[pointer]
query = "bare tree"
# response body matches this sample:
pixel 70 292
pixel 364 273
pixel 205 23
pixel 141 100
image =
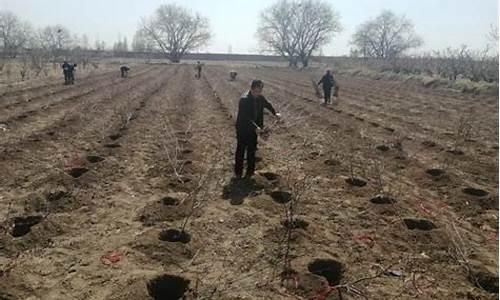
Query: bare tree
pixel 100 45
pixel 176 31
pixel 276 31
pixel 296 29
pixel 14 34
pixel 84 42
pixel 54 39
pixel 493 34
pixel 317 22
pixel 142 42
pixel 121 45
pixel 386 36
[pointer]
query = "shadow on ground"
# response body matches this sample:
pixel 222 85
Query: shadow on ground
pixel 238 189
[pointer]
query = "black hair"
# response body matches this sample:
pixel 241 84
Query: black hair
pixel 257 83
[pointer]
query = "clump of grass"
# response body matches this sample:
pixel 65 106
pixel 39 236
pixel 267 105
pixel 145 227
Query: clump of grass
pixel 469 86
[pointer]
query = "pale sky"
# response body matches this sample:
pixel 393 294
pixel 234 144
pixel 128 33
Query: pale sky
pixel 441 23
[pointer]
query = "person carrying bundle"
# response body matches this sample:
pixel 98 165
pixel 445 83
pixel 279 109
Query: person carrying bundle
pixel 328 82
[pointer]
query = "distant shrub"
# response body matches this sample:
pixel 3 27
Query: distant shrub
pixel 463 84
pixel 468 86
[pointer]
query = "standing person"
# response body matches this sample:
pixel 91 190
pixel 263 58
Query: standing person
pixel 124 69
pixel 328 82
pixel 71 71
pixel 198 68
pixel 249 121
pixel 66 71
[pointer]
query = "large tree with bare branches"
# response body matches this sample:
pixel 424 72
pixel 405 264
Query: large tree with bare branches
pixel 296 29
pixel 14 34
pixel 386 36
pixel 176 31
pixel 54 39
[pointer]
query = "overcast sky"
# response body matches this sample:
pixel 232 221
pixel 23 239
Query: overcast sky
pixel 441 23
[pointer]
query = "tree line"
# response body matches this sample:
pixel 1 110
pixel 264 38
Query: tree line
pixel 294 29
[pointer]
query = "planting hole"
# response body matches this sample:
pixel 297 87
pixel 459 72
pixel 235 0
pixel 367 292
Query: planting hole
pixel 22 225
pixel 174 235
pixel 3 295
pixel 434 172
pixel 314 154
pixel 420 224
pixel 382 200
pixel 183 133
pixel 355 181
pixel 270 176
pixel 485 281
pixel 429 144
pixel 112 145
pixel 331 269
pixel 474 192
pixel 77 171
pixel 169 201
pixel 382 148
pixel 167 287
pixel 455 151
pixel 94 158
pixel 281 196
pixel 295 224
pixel 115 136
pixel 332 162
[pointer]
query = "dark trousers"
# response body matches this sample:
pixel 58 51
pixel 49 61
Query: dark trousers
pixel 249 146
pixel 327 91
pixel 67 77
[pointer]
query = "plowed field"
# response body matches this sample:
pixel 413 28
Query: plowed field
pixel 393 190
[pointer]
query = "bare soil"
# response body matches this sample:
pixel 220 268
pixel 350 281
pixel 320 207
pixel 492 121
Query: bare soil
pixel 98 179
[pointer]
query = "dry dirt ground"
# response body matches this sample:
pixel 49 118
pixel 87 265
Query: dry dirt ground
pixel 389 193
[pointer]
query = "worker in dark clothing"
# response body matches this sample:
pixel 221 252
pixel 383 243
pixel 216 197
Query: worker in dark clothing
pixel 71 73
pixel 198 68
pixel 328 82
pixel 232 75
pixel 66 71
pixel 249 122
pixel 124 69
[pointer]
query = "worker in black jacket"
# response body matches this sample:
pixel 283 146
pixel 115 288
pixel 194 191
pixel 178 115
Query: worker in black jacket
pixel 124 69
pixel 249 122
pixel 67 72
pixel 328 82
pixel 198 69
pixel 71 73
